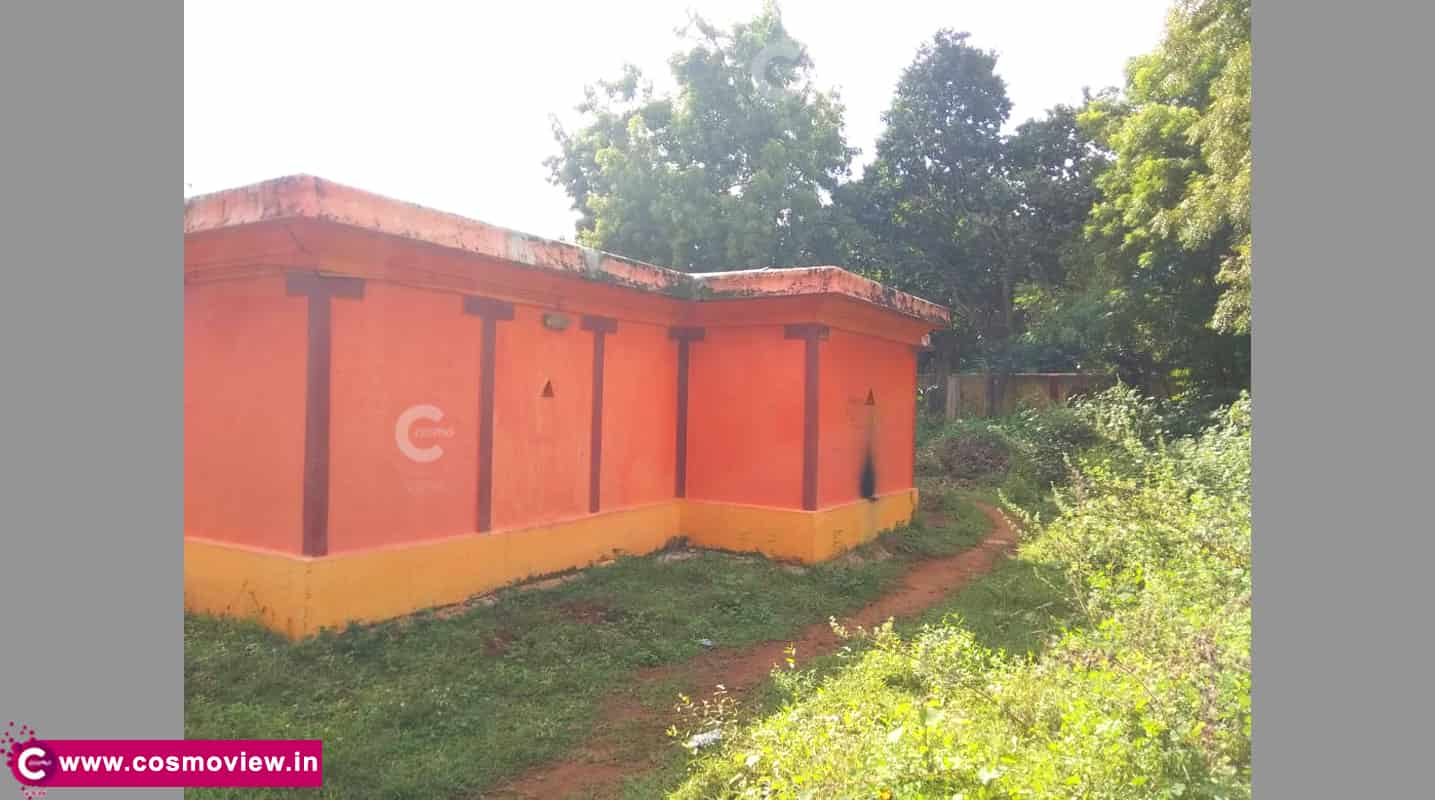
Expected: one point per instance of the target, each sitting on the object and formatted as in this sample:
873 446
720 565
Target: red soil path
599 767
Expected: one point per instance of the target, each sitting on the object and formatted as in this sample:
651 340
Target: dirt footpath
599 767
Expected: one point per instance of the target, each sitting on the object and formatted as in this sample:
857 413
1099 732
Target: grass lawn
442 705
1016 608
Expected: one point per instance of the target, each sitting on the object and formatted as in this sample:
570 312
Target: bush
1148 696
1023 455
975 455
1047 439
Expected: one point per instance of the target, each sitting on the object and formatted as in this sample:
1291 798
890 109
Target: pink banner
53 763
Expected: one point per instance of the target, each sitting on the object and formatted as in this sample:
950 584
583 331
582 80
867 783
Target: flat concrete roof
313 198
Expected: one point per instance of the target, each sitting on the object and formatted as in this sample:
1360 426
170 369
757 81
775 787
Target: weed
1111 658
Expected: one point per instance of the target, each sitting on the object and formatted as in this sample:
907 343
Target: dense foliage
1114 236
728 172
1180 186
1163 292
1144 693
957 210
1022 455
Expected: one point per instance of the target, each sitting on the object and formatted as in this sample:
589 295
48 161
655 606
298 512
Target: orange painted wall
395 349
540 448
244 378
745 416
639 416
401 348
851 366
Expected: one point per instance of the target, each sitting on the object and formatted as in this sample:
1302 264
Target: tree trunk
1008 310
944 346
939 397
997 384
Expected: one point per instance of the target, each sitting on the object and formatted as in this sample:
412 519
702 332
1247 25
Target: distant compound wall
980 395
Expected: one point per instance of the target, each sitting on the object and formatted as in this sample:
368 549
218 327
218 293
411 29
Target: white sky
447 103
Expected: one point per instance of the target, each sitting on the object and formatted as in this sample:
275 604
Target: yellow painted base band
784 533
299 596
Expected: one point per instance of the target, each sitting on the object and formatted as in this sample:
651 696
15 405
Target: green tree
734 169
1172 229
932 203
957 211
1053 166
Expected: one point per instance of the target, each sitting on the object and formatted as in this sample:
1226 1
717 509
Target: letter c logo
422 455
29 754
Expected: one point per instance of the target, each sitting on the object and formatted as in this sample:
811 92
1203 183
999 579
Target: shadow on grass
1016 608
